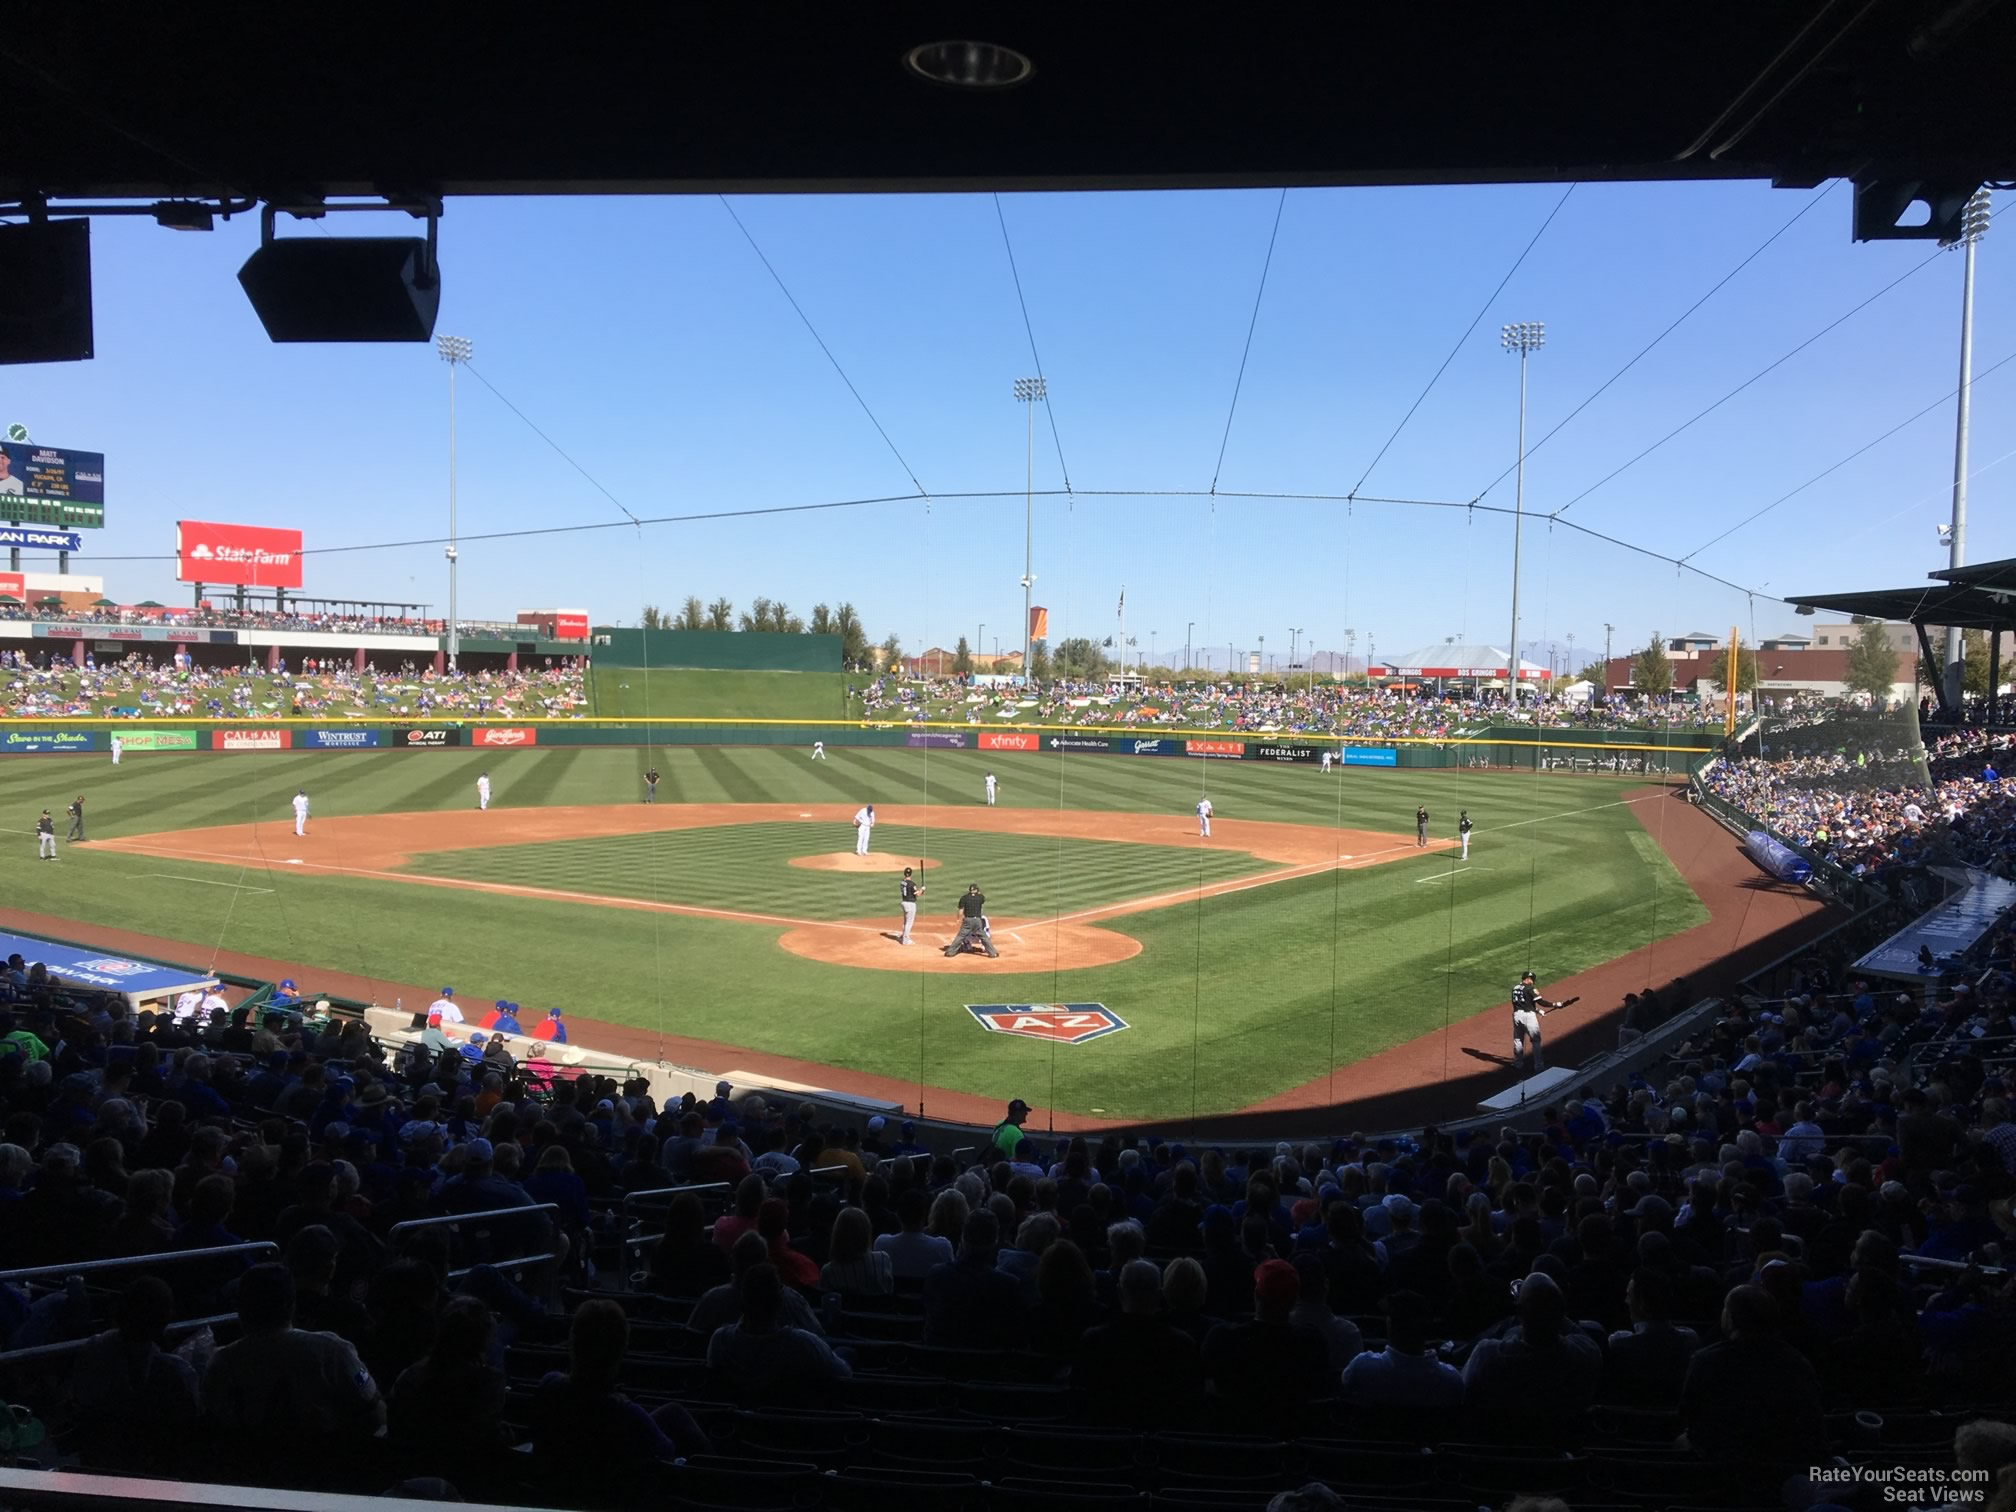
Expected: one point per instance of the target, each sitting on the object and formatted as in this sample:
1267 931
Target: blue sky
645 337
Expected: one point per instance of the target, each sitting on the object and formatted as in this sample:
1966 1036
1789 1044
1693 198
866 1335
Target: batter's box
1059 1023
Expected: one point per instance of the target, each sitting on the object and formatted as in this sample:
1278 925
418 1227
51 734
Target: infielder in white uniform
118 749
864 825
990 790
1204 817
818 750
301 811
483 792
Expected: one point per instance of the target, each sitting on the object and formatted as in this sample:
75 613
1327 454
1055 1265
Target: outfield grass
1233 998
683 693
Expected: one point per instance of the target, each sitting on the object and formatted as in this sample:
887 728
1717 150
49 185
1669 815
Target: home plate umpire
972 924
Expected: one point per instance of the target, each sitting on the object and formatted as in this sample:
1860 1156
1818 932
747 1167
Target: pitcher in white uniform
483 791
990 790
301 811
864 825
1204 817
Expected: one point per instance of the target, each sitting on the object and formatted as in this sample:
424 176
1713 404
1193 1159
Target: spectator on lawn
1138 1371
685 1262
761 1355
1262 1370
853 1267
1406 1373
968 1304
913 1253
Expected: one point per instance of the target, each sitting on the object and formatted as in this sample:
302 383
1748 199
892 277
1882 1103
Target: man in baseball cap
442 1011
504 1018
550 1028
1008 1135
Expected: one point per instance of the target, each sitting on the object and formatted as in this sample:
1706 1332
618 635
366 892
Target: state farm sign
504 736
1009 740
253 556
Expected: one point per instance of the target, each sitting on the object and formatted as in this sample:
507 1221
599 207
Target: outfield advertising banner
251 740
1097 743
158 740
338 740
1010 740
249 555
45 630
1129 747
1310 754
1224 750
433 738
46 740
1371 756
513 735
939 740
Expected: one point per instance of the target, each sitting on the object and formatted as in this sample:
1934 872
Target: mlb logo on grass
1060 1023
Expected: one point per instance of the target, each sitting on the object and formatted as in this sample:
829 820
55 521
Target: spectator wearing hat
286 994
1008 1135
443 1010
1262 1370
1406 1373
1137 1371
1539 1378
503 1019
722 1108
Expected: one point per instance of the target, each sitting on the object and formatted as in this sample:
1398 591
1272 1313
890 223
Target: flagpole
1122 647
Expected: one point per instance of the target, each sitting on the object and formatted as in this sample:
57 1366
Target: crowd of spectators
1873 802
1370 711
241 619
142 684
1728 1247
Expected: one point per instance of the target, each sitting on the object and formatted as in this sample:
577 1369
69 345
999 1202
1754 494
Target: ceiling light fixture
969 65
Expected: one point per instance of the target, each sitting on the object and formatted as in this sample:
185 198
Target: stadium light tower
1973 226
1525 337
1029 391
454 350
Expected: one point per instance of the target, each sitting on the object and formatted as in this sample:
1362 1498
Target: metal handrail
632 1198
71 1346
165 1257
518 1262
448 1219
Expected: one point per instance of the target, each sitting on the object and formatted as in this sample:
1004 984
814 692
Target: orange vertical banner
1039 623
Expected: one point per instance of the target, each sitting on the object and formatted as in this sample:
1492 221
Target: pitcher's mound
1035 946
847 861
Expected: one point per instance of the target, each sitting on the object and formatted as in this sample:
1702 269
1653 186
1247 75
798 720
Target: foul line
205 882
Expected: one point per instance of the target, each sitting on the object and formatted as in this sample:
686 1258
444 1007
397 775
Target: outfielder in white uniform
864 825
818 750
1204 817
301 811
483 792
990 790
1325 761
118 749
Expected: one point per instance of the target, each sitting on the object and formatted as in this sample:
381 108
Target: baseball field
731 916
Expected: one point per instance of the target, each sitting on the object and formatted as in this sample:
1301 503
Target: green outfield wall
712 650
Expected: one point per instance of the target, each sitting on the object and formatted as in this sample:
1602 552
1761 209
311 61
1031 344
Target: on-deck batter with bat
1528 1008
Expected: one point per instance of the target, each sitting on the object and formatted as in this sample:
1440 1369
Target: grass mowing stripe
725 767
548 771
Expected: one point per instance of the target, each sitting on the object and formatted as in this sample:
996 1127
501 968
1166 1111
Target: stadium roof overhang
1981 597
290 106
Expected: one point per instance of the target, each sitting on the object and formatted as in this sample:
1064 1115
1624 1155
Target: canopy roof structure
1448 660
1905 97
1981 597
